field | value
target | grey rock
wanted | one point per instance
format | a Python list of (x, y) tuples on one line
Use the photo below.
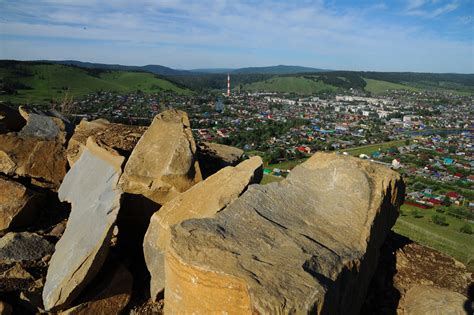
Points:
[(91, 187), (308, 244), (25, 246), (40, 126)]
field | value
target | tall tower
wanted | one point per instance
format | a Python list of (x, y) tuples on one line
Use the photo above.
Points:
[(228, 84)]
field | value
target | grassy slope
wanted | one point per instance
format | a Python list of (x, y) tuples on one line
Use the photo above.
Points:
[(371, 148), (446, 239), (380, 87), (288, 84), (47, 82)]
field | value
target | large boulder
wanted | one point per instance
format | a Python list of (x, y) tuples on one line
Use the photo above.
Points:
[(425, 299), (42, 160), (308, 244), (91, 187), (18, 204), (122, 138), (213, 157), (404, 264), (163, 164), (42, 126), (203, 200)]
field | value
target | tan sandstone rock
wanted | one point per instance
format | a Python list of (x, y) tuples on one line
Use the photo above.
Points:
[(163, 164), (424, 299), (213, 157), (18, 204), (109, 295), (203, 200), (44, 161), (91, 186), (308, 244), (122, 138), (5, 308)]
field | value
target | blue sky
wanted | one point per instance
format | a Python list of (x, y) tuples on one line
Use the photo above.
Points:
[(396, 35)]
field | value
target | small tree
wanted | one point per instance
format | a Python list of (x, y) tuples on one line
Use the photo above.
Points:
[(439, 219), (416, 213), (466, 228)]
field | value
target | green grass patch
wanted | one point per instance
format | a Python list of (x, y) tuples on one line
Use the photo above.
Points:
[(48, 82), (371, 148), (380, 87), (444, 238), (299, 85), (287, 165), (267, 179)]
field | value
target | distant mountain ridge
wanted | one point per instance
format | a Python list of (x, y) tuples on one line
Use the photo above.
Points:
[(162, 70), (156, 69), (280, 69)]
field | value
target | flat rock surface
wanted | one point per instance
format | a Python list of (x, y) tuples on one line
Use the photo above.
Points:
[(420, 265), (122, 138), (306, 244), (18, 204), (91, 187), (203, 200), (424, 299), (42, 160), (163, 164)]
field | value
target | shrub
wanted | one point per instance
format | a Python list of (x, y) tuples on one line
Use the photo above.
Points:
[(439, 219), (466, 228), (439, 210), (416, 213)]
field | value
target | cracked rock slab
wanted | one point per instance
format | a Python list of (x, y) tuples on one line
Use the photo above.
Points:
[(163, 164), (203, 200), (308, 244), (91, 187)]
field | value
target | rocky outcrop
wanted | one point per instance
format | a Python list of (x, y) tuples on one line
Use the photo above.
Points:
[(213, 157), (203, 200), (424, 299), (24, 246), (403, 265), (18, 204), (122, 138), (306, 244), (44, 161), (163, 164), (91, 187)]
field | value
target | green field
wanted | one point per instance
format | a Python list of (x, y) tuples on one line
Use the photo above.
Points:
[(380, 87), (45, 82), (291, 84), (446, 239), (287, 165), (267, 179), (371, 148)]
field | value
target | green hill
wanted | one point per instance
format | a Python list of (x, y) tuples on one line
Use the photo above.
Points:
[(380, 87), (36, 82), (374, 82), (290, 84)]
